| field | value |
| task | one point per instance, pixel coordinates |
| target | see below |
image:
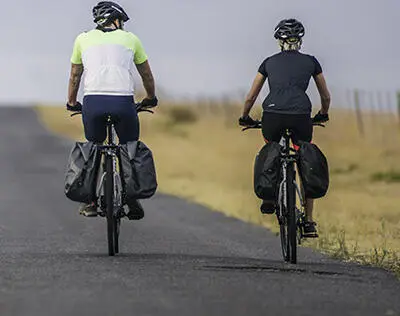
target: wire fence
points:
(372, 105)
(367, 106)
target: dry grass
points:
(205, 157)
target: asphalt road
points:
(182, 259)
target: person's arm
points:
(143, 67)
(253, 93)
(147, 78)
(74, 82)
(76, 72)
(323, 92)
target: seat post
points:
(287, 136)
(110, 137)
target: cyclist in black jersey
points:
(287, 104)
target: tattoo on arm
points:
(74, 82)
(147, 77)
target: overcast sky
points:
(200, 47)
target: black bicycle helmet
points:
(289, 28)
(106, 12)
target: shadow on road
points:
(213, 264)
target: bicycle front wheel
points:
(109, 199)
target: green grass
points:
(348, 169)
(181, 115)
(391, 176)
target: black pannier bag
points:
(314, 171)
(82, 169)
(266, 171)
(138, 170)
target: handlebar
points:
(139, 109)
(76, 113)
(258, 125)
(255, 126)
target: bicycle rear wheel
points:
(109, 197)
(291, 213)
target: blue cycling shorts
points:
(122, 110)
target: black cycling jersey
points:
(289, 73)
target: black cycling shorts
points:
(121, 108)
(274, 125)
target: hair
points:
(110, 25)
(290, 44)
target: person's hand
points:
(149, 103)
(247, 121)
(74, 108)
(320, 118)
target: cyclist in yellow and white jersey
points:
(108, 56)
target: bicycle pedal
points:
(120, 213)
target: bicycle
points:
(109, 190)
(291, 218)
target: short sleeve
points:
(317, 66)
(263, 68)
(76, 57)
(139, 54)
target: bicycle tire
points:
(282, 220)
(109, 197)
(291, 213)
(284, 241)
(117, 223)
(117, 216)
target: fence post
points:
(360, 124)
(371, 103)
(389, 102)
(398, 105)
(380, 105)
(349, 98)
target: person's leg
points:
(94, 128)
(93, 110)
(272, 131)
(272, 126)
(127, 128)
(309, 208)
(309, 229)
(302, 128)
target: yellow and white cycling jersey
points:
(109, 60)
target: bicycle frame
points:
(289, 156)
(109, 189)
(290, 217)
